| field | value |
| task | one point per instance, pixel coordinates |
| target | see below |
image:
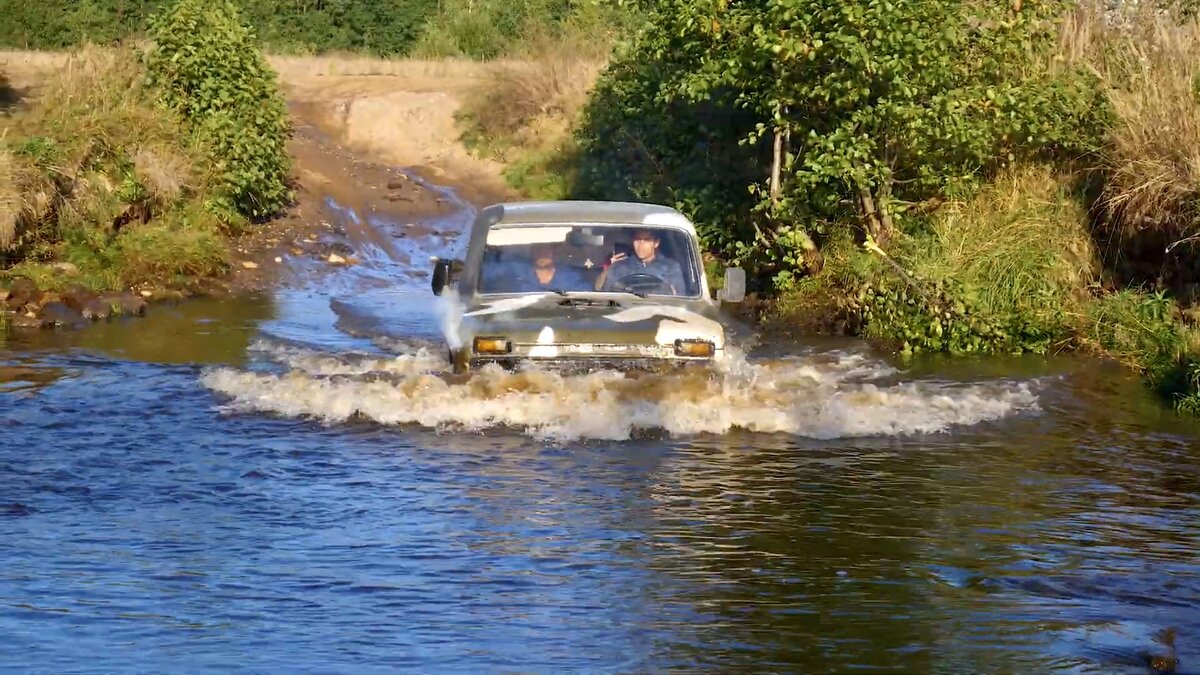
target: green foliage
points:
(943, 315)
(473, 28)
(1187, 398)
(486, 29)
(1143, 330)
(1022, 242)
(109, 181)
(38, 25)
(1138, 328)
(206, 66)
(186, 242)
(638, 143)
(542, 175)
(1003, 272)
(380, 28)
(879, 106)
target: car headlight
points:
(694, 348)
(492, 345)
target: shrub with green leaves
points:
(876, 107)
(206, 65)
(942, 315)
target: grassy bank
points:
(133, 166)
(102, 182)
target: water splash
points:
(449, 311)
(826, 396)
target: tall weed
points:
(1021, 244)
(10, 198)
(1147, 55)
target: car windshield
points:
(610, 258)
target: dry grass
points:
(10, 198)
(163, 170)
(522, 116)
(1149, 63)
(523, 96)
(27, 67)
(291, 67)
(532, 102)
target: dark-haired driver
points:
(647, 261)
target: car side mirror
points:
(443, 274)
(735, 285)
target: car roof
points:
(582, 211)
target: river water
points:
(291, 482)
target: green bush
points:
(206, 65)
(105, 179)
(942, 315)
(486, 29)
(877, 107)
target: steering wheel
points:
(641, 282)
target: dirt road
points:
(381, 146)
(374, 139)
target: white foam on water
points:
(819, 397)
(313, 362)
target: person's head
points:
(645, 244)
(543, 256)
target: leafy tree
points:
(870, 107)
(107, 21)
(36, 25)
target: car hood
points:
(593, 318)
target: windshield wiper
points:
(640, 295)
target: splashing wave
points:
(829, 396)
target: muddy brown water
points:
(290, 481)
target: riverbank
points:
(347, 143)
(133, 168)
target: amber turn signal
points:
(694, 348)
(492, 345)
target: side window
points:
(676, 246)
(500, 265)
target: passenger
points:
(546, 275)
(648, 261)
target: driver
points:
(648, 261)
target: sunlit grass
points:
(1021, 243)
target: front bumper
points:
(586, 356)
